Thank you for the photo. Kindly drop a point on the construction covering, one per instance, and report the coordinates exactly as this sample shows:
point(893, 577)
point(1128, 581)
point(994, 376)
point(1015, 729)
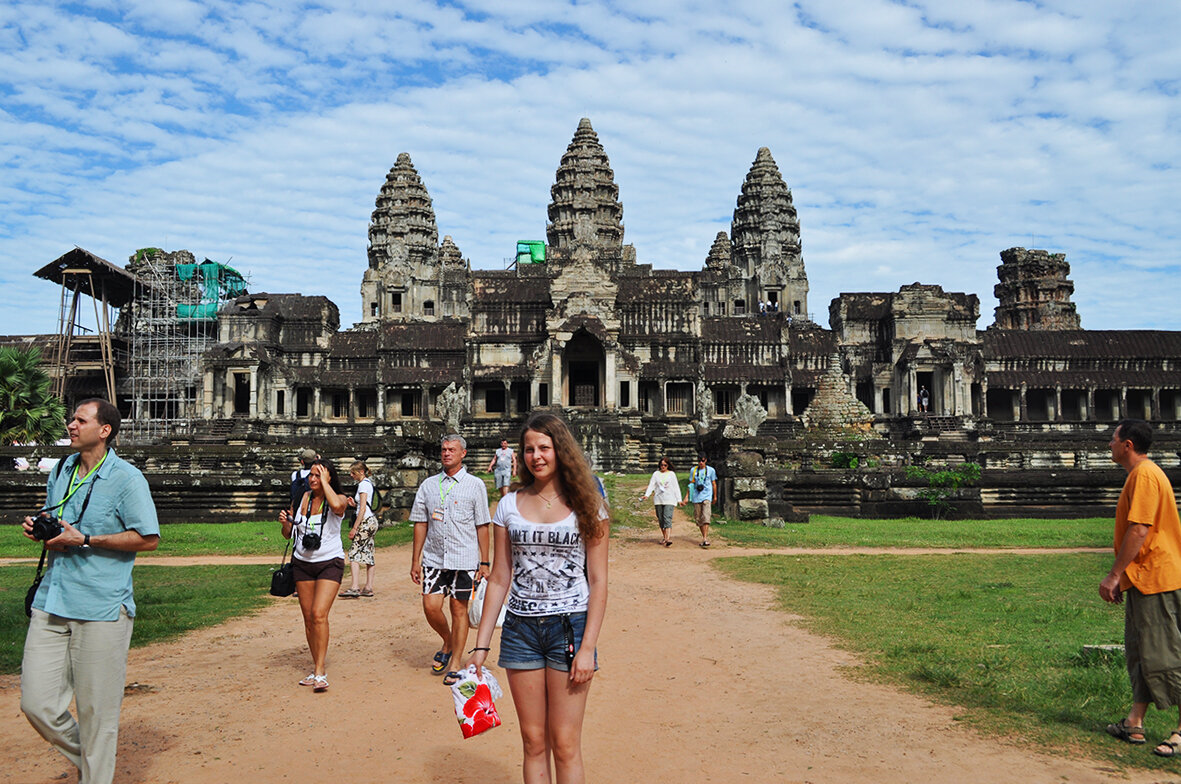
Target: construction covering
point(218, 283)
point(530, 252)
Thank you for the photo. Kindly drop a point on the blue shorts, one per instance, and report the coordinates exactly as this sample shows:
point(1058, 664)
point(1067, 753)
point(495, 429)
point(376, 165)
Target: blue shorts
point(531, 642)
point(503, 476)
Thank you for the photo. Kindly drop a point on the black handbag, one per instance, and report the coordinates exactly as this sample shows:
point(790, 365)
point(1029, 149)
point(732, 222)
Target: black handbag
point(283, 578)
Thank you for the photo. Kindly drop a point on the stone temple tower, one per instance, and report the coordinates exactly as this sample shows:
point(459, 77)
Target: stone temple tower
point(765, 237)
point(411, 277)
point(585, 208)
point(1034, 291)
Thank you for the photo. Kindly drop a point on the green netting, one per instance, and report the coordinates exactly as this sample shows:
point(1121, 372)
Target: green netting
point(530, 252)
point(218, 283)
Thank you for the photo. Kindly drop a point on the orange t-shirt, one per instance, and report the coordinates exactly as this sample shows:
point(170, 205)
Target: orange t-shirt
point(1147, 499)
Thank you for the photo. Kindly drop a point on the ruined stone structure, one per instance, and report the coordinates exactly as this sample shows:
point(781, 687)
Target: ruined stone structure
point(644, 361)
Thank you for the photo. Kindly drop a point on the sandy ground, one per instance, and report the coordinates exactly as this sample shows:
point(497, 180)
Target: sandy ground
point(701, 681)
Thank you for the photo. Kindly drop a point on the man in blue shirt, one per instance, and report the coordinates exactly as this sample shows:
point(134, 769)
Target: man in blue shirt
point(703, 489)
point(81, 624)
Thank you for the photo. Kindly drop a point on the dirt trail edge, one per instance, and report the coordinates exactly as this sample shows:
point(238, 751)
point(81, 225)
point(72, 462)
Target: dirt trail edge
point(701, 681)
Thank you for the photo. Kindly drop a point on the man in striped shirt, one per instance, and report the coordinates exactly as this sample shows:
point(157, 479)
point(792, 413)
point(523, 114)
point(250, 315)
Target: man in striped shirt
point(451, 545)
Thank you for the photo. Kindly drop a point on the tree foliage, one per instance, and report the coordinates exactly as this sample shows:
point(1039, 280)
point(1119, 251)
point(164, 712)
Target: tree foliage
point(29, 412)
point(942, 483)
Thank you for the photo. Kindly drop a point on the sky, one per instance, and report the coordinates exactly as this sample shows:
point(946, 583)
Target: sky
point(919, 139)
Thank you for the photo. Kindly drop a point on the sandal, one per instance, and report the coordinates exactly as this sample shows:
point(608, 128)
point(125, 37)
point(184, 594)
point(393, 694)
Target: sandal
point(366, 592)
point(1125, 733)
point(440, 665)
point(321, 683)
point(349, 593)
point(705, 544)
point(667, 543)
point(452, 678)
point(1170, 743)
point(308, 681)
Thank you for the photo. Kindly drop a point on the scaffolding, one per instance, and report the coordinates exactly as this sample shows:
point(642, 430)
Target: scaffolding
point(173, 321)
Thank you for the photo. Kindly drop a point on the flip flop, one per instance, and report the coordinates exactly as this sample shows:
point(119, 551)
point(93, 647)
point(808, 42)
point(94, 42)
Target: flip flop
point(366, 592)
point(452, 678)
point(440, 665)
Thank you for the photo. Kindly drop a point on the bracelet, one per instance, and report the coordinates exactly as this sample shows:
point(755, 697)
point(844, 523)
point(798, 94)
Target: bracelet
point(473, 650)
point(484, 563)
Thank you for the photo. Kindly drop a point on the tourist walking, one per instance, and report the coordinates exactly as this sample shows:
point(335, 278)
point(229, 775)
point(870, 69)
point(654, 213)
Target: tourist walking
point(318, 560)
point(701, 492)
point(450, 555)
point(1147, 572)
point(84, 609)
point(361, 533)
point(551, 561)
point(503, 466)
point(666, 491)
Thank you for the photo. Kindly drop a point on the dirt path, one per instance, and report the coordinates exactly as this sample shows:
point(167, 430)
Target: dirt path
point(701, 682)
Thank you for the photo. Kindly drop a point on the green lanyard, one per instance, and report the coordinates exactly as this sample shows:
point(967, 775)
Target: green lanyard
point(442, 495)
point(75, 483)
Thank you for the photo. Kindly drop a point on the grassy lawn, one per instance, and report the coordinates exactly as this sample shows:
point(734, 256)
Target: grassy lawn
point(825, 531)
point(170, 601)
point(1000, 635)
point(251, 538)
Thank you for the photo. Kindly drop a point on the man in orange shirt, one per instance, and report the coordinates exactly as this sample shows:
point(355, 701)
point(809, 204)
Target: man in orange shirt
point(1148, 570)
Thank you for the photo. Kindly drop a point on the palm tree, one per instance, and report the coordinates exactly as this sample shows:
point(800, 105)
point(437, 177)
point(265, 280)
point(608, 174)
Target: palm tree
point(28, 410)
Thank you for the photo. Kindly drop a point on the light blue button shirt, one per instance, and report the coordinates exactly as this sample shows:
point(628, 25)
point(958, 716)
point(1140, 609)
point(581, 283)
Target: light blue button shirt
point(92, 583)
point(710, 476)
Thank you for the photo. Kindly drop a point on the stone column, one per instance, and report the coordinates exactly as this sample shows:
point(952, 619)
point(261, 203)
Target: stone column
point(1024, 407)
point(206, 394)
point(380, 414)
point(352, 404)
point(315, 412)
point(877, 399)
point(508, 401)
point(1057, 404)
point(555, 388)
point(610, 394)
point(787, 405)
point(984, 396)
point(533, 392)
point(1090, 413)
point(254, 393)
point(1123, 402)
point(424, 408)
point(1156, 403)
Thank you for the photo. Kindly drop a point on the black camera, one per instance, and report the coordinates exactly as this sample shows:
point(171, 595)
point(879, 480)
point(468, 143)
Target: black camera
point(700, 486)
point(310, 541)
point(45, 527)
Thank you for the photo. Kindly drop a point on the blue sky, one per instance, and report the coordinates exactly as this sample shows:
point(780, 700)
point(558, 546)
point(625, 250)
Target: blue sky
point(919, 139)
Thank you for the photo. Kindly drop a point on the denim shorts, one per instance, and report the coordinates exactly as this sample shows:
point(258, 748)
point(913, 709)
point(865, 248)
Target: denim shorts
point(531, 642)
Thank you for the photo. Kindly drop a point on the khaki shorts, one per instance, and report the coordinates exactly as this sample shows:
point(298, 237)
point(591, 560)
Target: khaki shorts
point(701, 512)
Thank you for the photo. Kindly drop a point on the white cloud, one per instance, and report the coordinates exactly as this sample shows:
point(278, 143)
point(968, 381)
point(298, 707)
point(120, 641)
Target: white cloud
point(918, 140)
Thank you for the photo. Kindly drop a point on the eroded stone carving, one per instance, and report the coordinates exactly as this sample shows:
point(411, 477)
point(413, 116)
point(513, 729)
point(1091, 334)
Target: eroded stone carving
point(744, 422)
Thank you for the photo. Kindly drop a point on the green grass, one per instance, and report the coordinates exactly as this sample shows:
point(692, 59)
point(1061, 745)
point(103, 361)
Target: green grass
point(825, 531)
point(1000, 635)
point(193, 539)
point(170, 601)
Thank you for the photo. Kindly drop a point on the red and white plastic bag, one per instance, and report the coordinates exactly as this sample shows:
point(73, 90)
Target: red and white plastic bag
point(475, 701)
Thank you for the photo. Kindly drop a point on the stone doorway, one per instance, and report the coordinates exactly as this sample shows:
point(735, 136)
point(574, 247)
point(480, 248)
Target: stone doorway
point(584, 362)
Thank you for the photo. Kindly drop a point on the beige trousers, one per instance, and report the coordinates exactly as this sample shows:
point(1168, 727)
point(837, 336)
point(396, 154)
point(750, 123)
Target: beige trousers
point(85, 661)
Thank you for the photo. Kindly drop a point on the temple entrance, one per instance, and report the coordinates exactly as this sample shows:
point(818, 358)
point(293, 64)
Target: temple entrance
point(584, 362)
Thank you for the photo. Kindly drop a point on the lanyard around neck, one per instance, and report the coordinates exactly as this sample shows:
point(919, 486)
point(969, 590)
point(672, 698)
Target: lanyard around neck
point(454, 483)
point(75, 483)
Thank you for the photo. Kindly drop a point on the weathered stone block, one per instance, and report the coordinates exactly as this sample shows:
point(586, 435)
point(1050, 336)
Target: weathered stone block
point(745, 464)
point(745, 487)
point(752, 509)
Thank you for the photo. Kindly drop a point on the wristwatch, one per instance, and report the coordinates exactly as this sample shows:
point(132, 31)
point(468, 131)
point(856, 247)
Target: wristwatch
point(86, 542)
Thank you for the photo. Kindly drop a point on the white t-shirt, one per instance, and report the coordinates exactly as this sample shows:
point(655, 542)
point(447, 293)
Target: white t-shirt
point(364, 486)
point(549, 563)
point(330, 545)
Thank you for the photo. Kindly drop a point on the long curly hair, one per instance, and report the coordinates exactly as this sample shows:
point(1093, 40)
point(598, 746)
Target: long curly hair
point(582, 489)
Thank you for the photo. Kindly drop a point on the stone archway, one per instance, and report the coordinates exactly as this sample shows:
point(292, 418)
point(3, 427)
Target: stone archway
point(584, 371)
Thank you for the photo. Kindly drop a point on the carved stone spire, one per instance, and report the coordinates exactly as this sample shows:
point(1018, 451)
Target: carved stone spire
point(403, 224)
point(719, 254)
point(766, 234)
point(585, 209)
point(765, 227)
point(449, 255)
point(1034, 291)
point(834, 408)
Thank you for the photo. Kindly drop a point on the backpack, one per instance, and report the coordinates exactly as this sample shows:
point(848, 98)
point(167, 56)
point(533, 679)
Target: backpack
point(299, 486)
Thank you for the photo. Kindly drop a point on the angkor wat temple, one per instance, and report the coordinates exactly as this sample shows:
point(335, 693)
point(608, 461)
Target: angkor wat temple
point(644, 360)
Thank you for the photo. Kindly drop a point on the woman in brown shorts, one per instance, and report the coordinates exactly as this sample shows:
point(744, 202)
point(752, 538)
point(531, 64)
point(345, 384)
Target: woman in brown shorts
point(318, 560)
